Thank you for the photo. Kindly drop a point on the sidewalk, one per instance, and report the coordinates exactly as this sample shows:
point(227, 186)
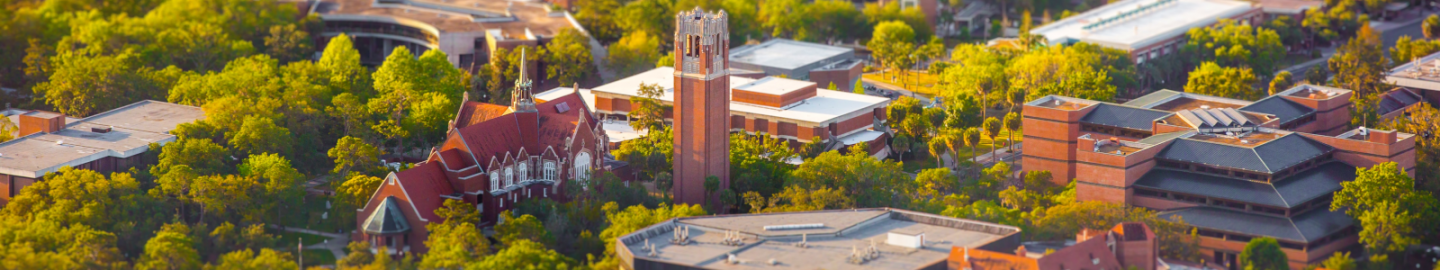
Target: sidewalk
point(336, 244)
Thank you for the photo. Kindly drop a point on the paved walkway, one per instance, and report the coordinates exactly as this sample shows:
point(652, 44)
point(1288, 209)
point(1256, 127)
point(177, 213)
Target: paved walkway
point(336, 242)
point(891, 87)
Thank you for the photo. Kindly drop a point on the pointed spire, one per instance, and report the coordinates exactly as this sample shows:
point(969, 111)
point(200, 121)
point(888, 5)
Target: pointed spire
point(520, 99)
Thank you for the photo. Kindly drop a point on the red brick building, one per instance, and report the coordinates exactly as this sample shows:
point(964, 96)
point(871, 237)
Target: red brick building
point(702, 104)
point(1122, 247)
point(1234, 169)
point(493, 157)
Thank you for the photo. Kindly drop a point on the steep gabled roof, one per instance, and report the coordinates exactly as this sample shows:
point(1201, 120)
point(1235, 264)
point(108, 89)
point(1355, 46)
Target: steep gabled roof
point(1123, 116)
point(476, 112)
point(1270, 157)
point(424, 184)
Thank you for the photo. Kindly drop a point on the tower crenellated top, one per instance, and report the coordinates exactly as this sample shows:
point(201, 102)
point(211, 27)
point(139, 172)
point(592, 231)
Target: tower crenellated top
point(702, 43)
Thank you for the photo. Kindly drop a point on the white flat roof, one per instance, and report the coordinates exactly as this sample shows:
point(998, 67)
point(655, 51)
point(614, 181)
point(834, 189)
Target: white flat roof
point(132, 129)
point(774, 86)
point(784, 53)
point(825, 107)
point(1145, 28)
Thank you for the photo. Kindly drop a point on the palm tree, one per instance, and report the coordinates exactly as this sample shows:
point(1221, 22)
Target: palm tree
point(972, 139)
point(991, 127)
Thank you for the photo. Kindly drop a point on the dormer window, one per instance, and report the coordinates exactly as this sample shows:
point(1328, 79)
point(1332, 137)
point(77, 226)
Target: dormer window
point(495, 180)
point(550, 170)
point(509, 177)
point(524, 172)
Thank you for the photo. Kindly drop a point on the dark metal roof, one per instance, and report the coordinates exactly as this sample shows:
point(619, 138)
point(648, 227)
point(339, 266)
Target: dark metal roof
point(1162, 137)
point(1282, 108)
point(1284, 193)
point(1151, 98)
point(1123, 116)
point(1397, 99)
point(1270, 157)
point(387, 219)
point(1306, 227)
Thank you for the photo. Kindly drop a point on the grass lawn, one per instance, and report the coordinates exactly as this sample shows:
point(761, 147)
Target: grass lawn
point(315, 257)
point(288, 239)
point(915, 81)
point(310, 213)
point(918, 161)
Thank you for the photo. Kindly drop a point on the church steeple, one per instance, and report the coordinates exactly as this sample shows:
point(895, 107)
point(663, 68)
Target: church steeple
point(520, 98)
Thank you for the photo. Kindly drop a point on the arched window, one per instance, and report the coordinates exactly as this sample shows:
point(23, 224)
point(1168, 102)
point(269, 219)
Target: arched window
point(550, 170)
point(509, 177)
point(495, 180)
point(582, 166)
point(524, 172)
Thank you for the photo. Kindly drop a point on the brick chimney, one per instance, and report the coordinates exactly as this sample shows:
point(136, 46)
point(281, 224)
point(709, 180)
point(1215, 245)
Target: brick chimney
point(1020, 251)
point(1382, 137)
point(40, 121)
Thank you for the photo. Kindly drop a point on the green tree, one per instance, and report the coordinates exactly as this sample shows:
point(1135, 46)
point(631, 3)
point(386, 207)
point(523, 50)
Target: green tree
point(1281, 82)
point(859, 87)
point(46, 244)
point(524, 254)
point(1407, 50)
point(246, 259)
point(259, 135)
point(632, 219)
point(786, 18)
point(522, 228)
point(634, 53)
point(796, 199)
point(712, 184)
point(279, 183)
point(1235, 44)
point(356, 190)
point(598, 17)
point(456, 242)
point(169, 250)
point(892, 43)
point(992, 127)
point(1229, 82)
point(1176, 239)
point(1383, 198)
point(7, 129)
point(836, 20)
point(288, 43)
point(1422, 118)
point(980, 72)
point(567, 57)
point(1339, 261)
point(744, 15)
point(877, 13)
point(352, 154)
point(417, 96)
point(648, 113)
point(653, 17)
point(1430, 26)
point(869, 182)
point(342, 62)
point(81, 85)
point(1263, 254)
point(1359, 65)
point(971, 137)
point(1013, 123)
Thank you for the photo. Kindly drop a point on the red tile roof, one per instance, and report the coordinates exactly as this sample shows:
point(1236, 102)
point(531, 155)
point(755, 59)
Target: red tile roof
point(424, 184)
point(475, 112)
point(978, 259)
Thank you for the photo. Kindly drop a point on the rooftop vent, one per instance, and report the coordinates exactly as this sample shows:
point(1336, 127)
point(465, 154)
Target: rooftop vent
point(100, 129)
point(562, 107)
point(794, 227)
point(905, 239)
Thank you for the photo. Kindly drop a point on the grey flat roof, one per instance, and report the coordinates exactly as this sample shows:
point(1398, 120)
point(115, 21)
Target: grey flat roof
point(1303, 228)
point(132, 129)
point(828, 246)
point(1270, 157)
point(785, 54)
point(1123, 116)
point(1284, 193)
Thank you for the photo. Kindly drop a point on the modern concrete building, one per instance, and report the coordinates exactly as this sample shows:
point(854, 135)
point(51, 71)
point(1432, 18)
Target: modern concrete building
point(1146, 28)
point(1234, 169)
point(872, 238)
point(107, 142)
point(1420, 76)
point(803, 112)
point(819, 63)
point(466, 30)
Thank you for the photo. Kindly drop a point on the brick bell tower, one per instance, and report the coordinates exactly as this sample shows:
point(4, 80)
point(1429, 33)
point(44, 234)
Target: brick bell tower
point(702, 104)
